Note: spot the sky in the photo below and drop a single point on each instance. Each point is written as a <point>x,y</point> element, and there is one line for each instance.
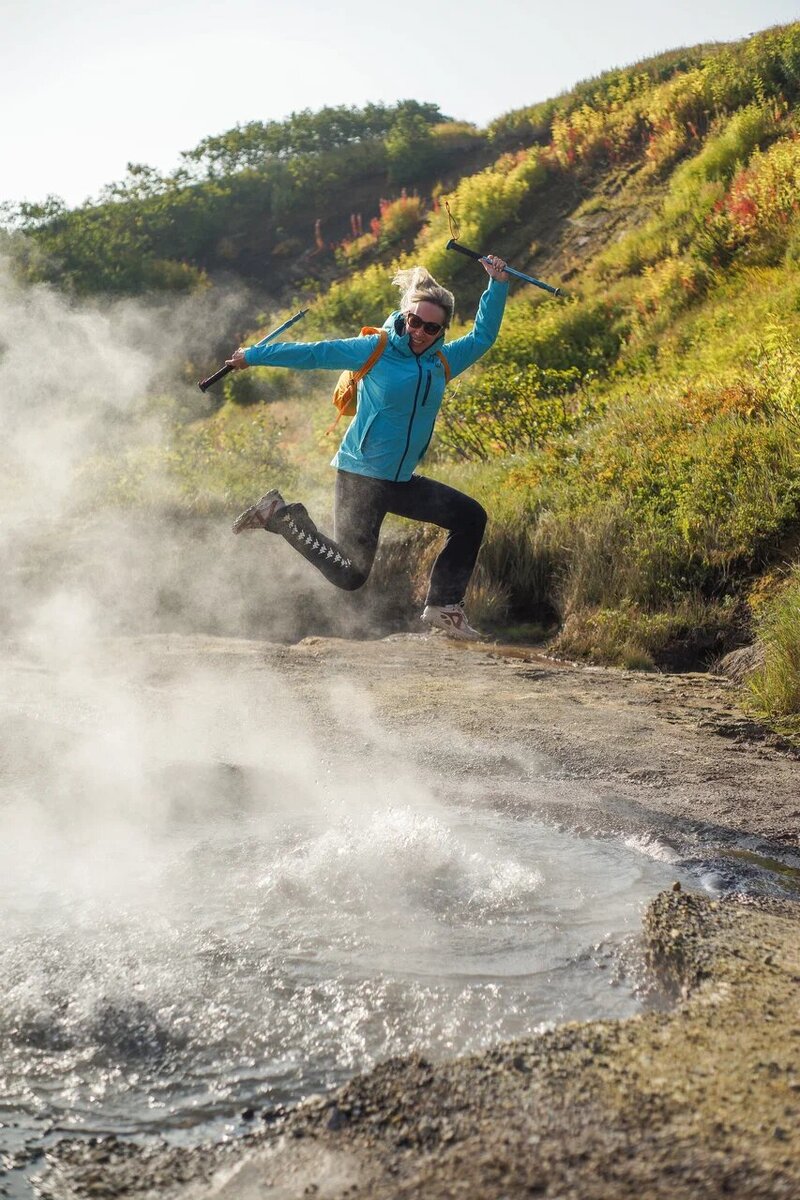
<point>88,86</point>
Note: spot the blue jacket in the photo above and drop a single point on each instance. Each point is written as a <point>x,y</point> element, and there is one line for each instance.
<point>399,399</point>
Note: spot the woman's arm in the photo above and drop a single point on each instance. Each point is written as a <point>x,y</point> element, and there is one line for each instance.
<point>464,351</point>
<point>341,354</point>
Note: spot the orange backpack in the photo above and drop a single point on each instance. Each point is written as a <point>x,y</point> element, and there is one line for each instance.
<point>345,394</point>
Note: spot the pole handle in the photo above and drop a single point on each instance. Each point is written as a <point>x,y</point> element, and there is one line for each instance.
<point>205,384</point>
<point>454,245</point>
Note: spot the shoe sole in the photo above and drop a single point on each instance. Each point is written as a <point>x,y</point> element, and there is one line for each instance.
<point>255,517</point>
<point>452,631</point>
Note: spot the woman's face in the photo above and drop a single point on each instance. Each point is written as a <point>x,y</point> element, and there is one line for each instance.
<point>420,339</point>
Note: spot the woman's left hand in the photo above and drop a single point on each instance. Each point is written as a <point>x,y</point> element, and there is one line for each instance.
<point>237,360</point>
<point>495,267</point>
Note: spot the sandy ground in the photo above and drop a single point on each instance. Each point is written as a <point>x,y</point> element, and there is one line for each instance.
<point>699,1099</point>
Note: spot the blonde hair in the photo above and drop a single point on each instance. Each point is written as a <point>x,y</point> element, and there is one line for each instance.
<point>416,283</point>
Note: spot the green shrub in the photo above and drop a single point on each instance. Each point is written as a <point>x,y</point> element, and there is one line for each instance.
<point>399,219</point>
<point>688,220</point>
<point>739,488</point>
<point>362,299</point>
<point>487,199</point>
<point>482,203</point>
<point>505,409</point>
<point>583,335</point>
<point>666,494</point>
<point>777,374</point>
<point>457,137</point>
<point>666,288</point>
<point>762,205</point>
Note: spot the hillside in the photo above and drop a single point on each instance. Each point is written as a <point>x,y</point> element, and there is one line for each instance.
<point>635,445</point>
<point>265,203</point>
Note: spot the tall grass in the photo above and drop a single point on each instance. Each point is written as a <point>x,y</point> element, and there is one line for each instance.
<point>774,689</point>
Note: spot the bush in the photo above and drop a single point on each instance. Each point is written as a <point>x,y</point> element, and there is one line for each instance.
<point>363,299</point>
<point>668,287</point>
<point>761,205</point>
<point>560,336</point>
<point>507,408</point>
<point>397,222</point>
<point>489,199</point>
<point>483,203</point>
<point>671,494</point>
<point>611,134</point>
<point>740,489</point>
<point>689,219</point>
<point>399,219</point>
<point>456,137</point>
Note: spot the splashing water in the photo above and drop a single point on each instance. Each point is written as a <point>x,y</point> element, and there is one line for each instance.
<point>199,917</point>
<point>293,954</point>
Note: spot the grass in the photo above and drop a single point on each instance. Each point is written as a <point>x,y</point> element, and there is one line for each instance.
<point>774,689</point>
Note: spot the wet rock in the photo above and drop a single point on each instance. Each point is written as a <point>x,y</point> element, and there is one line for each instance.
<point>338,1118</point>
<point>742,662</point>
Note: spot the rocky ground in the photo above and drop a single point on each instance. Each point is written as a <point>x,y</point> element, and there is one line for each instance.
<point>699,1097</point>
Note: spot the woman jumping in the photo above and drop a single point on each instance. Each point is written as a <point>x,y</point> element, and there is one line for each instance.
<point>398,401</point>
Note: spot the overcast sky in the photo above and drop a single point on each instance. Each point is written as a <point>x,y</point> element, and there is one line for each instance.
<point>88,86</point>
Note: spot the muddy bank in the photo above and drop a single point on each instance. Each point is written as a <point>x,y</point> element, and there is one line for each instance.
<point>653,748</point>
<point>699,1100</point>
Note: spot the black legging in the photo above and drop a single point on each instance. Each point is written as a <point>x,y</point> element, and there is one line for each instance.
<point>361,503</point>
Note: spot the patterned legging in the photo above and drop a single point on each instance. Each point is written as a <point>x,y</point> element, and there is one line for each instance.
<point>361,503</point>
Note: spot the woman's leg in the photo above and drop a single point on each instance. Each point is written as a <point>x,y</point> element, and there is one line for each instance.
<point>345,559</point>
<point>465,521</point>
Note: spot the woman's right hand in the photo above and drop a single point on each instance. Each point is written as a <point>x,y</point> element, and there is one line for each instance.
<point>495,267</point>
<point>237,360</point>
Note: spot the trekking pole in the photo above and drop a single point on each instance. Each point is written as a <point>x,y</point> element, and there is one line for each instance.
<point>554,291</point>
<point>205,384</point>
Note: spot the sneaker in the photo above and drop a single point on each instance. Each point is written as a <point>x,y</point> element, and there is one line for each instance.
<point>258,514</point>
<point>452,619</point>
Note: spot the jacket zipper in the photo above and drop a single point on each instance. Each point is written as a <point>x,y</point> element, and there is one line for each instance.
<point>427,389</point>
<point>411,420</point>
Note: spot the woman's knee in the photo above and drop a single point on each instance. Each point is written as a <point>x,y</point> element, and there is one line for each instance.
<point>475,519</point>
<point>353,579</point>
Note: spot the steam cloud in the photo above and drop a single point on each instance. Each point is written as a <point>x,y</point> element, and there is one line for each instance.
<point>208,890</point>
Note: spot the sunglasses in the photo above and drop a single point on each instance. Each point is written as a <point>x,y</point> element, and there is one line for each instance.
<point>415,322</point>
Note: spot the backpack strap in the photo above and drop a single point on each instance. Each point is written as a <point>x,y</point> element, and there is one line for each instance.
<point>345,393</point>
<point>376,353</point>
<point>447,373</point>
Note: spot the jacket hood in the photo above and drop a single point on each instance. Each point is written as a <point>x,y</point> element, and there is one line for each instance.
<point>394,323</point>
